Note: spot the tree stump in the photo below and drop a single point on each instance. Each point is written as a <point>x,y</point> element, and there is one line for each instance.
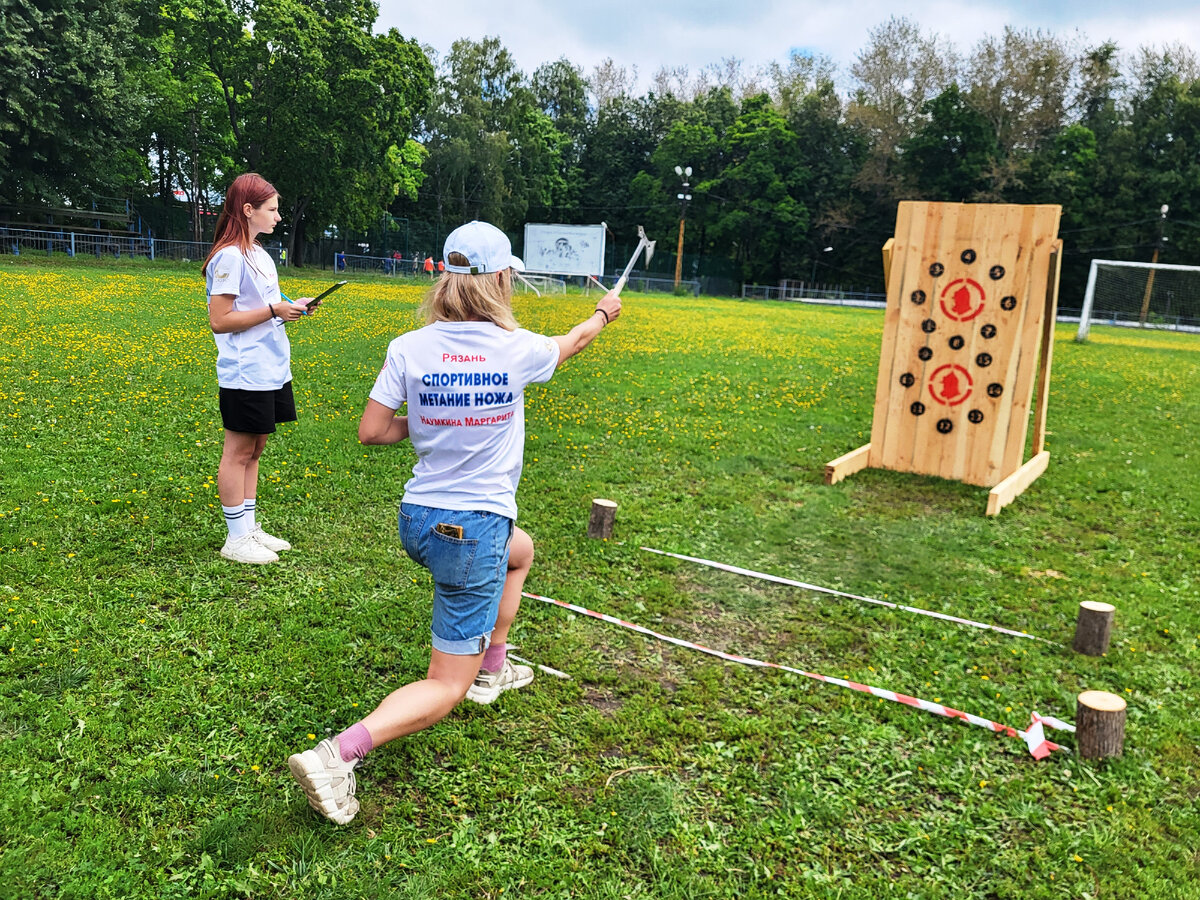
<point>1093,628</point>
<point>1100,725</point>
<point>604,513</point>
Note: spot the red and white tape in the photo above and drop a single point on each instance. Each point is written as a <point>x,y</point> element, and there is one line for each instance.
<point>1035,737</point>
<point>824,590</point>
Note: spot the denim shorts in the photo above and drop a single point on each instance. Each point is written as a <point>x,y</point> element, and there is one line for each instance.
<point>468,572</point>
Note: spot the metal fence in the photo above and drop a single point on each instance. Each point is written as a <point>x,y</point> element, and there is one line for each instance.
<point>827,296</point>
<point>72,243</point>
<point>649,284</point>
<point>182,251</point>
<point>377,265</point>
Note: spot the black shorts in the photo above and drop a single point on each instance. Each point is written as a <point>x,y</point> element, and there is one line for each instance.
<point>257,412</point>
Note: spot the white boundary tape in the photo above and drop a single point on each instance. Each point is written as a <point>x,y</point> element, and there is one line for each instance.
<point>824,590</point>
<point>1034,737</point>
<point>549,671</point>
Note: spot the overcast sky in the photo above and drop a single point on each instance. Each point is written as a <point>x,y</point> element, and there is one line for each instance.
<point>674,33</point>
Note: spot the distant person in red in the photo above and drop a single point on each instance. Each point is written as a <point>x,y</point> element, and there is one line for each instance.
<point>429,266</point>
<point>441,266</point>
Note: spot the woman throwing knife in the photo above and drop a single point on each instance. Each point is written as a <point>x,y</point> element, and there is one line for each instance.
<point>463,378</point>
<point>254,374</point>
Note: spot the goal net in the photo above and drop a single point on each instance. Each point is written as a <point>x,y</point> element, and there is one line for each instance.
<point>541,284</point>
<point>1148,295</point>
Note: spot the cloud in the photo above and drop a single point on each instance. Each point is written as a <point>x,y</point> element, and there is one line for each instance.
<point>704,32</point>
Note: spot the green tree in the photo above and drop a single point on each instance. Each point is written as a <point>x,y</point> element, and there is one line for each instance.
<point>834,152</point>
<point>68,109</point>
<point>493,154</point>
<point>620,184</point>
<point>758,214</point>
<point>560,92</point>
<point>314,101</point>
<point>951,155</point>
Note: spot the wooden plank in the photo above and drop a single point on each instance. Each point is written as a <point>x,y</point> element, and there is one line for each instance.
<point>979,236</point>
<point>1008,246</point>
<point>933,452</point>
<point>902,424</point>
<point>915,222</point>
<point>887,262</point>
<point>1015,484</point>
<point>847,464</point>
<point>1034,297</point>
<point>894,342</point>
<point>1047,355</point>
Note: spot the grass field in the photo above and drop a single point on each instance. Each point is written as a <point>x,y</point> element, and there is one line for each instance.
<point>151,691</point>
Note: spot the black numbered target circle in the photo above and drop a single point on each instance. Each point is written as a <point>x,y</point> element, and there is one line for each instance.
<point>996,273</point>
<point>975,416</point>
<point>917,409</point>
<point>907,379</point>
<point>936,269</point>
<point>945,426</point>
<point>968,256</point>
<point>929,326</point>
<point>983,360</point>
<point>956,342</point>
<point>1008,303</point>
<point>995,389</point>
<point>988,331</point>
<point>918,297</point>
<point>925,354</point>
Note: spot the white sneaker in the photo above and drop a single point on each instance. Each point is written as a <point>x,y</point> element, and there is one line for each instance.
<point>247,550</point>
<point>490,685</point>
<point>269,540</point>
<point>327,780</point>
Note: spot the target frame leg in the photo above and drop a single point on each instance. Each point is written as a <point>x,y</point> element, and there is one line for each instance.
<point>846,465</point>
<point>1015,484</point>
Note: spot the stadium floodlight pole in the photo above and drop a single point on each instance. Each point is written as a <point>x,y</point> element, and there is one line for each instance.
<point>813,277</point>
<point>684,173</point>
<point>1162,223</point>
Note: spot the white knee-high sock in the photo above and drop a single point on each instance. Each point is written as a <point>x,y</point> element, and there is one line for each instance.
<point>235,520</point>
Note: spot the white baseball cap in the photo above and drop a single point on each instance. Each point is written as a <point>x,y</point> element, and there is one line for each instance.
<point>485,246</point>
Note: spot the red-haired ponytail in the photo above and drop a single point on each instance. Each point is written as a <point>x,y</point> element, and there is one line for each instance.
<point>232,228</point>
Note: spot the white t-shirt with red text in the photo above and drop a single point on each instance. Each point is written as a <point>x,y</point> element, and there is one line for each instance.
<point>464,383</point>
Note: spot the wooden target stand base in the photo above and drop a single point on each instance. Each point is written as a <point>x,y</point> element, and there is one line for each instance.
<point>972,295</point>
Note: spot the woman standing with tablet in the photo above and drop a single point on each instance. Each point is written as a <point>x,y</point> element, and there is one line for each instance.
<point>254,374</point>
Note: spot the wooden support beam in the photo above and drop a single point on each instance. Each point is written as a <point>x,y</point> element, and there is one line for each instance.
<point>1014,485</point>
<point>847,465</point>
<point>1047,354</point>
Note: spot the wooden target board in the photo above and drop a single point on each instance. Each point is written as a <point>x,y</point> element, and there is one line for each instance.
<point>971,298</point>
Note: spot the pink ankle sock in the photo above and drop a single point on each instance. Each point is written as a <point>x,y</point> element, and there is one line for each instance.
<point>493,658</point>
<point>355,742</point>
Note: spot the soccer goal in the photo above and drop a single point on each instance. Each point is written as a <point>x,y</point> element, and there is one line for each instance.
<point>1138,294</point>
<point>540,284</point>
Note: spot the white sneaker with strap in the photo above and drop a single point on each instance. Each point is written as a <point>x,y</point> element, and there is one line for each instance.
<point>490,685</point>
<point>272,543</point>
<point>327,780</point>
<point>246,549</point>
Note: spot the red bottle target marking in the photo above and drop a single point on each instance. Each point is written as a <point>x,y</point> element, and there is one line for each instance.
<point>963,299</point>
<point>950,385</point>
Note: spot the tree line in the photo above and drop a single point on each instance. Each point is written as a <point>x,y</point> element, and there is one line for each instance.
<point>163,101</point>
